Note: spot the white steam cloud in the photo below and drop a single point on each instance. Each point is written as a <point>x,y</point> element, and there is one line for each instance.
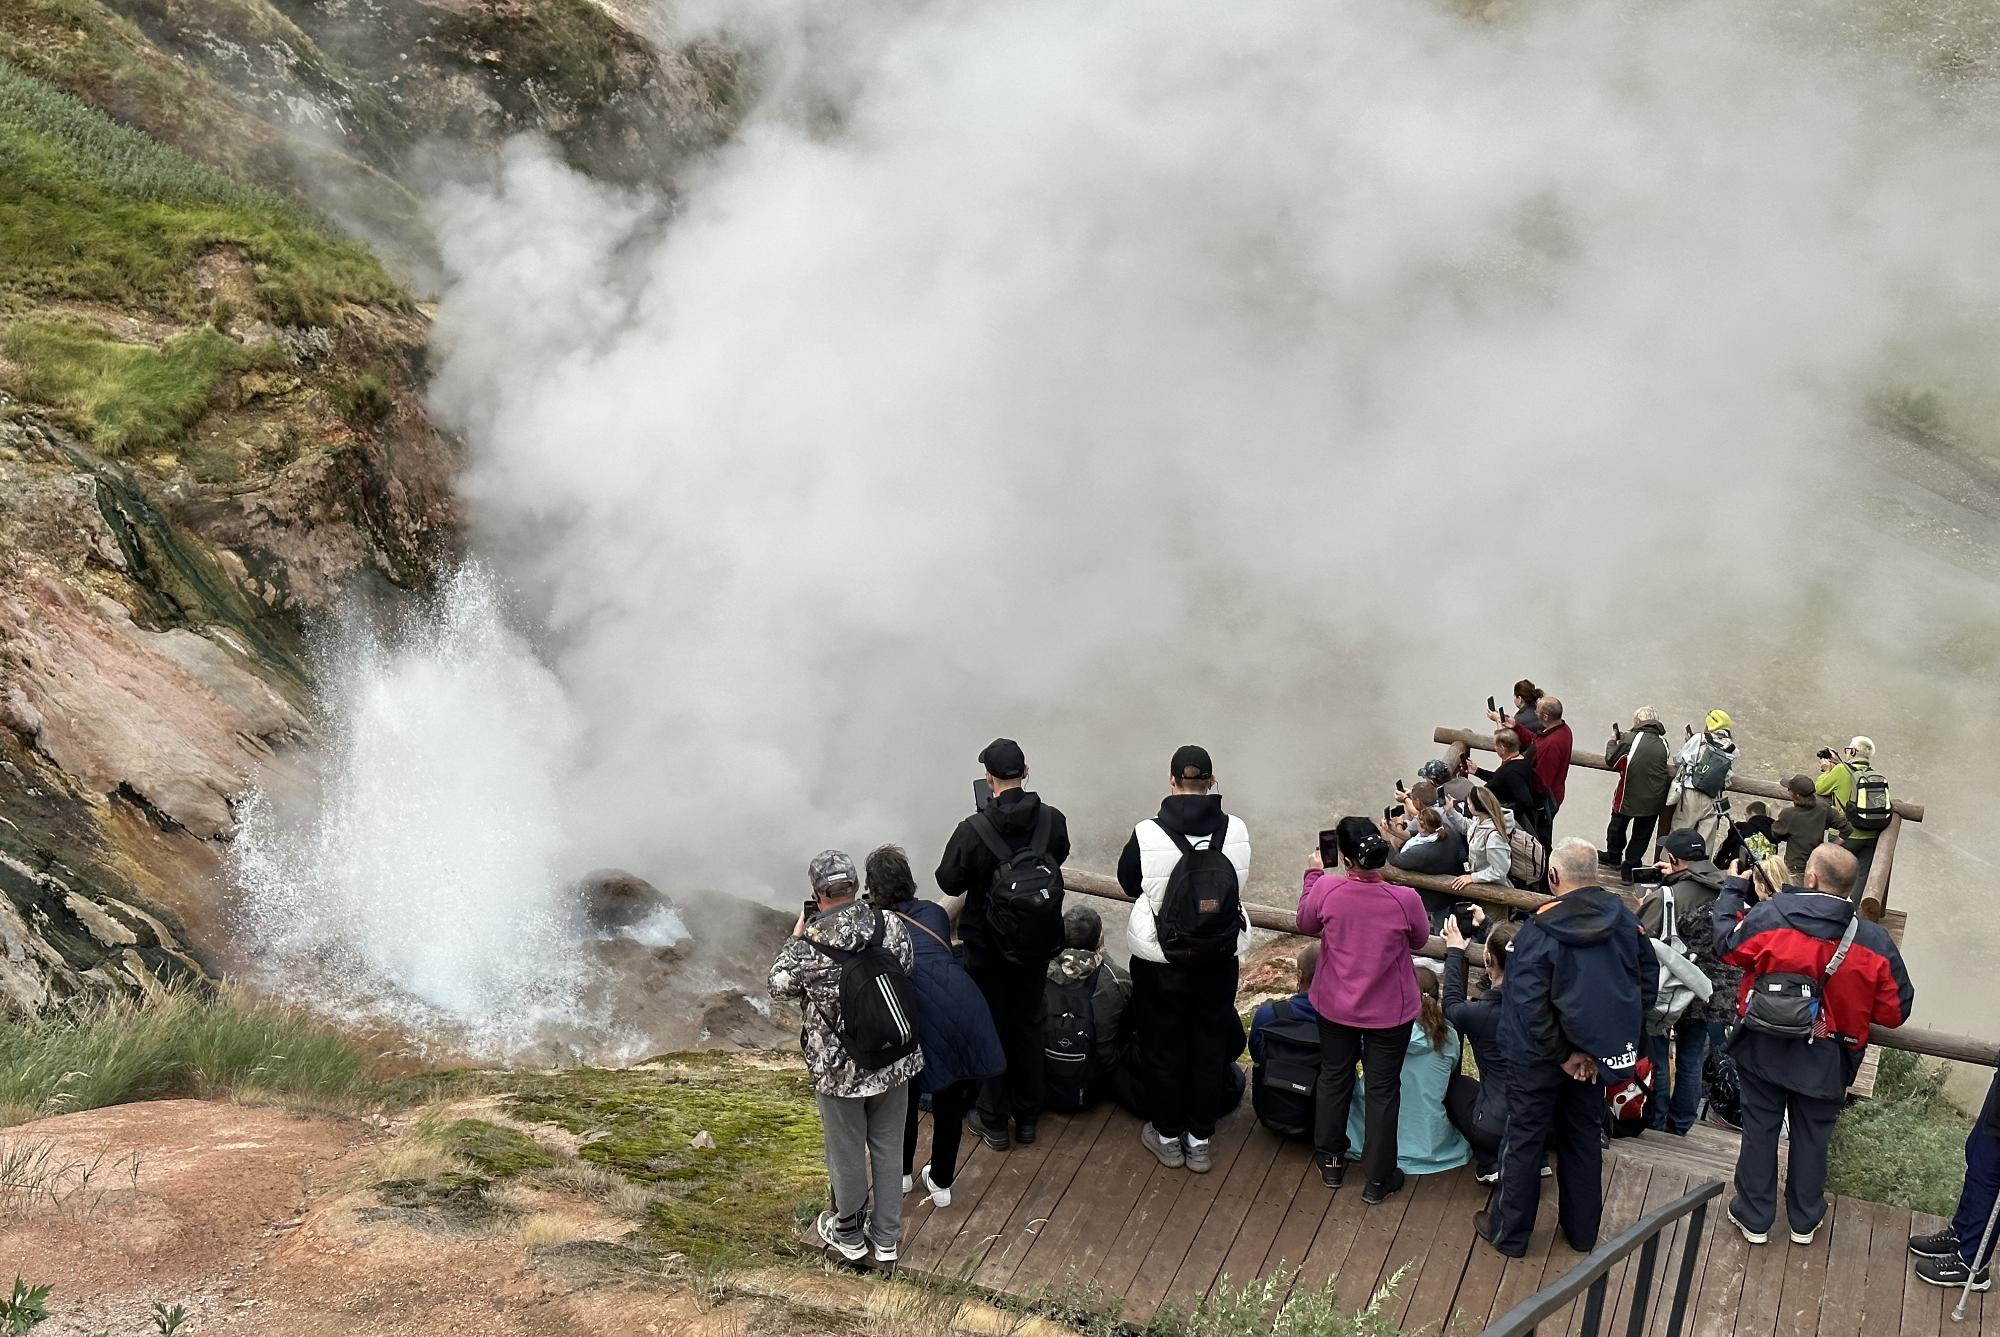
<point>1110,377</point>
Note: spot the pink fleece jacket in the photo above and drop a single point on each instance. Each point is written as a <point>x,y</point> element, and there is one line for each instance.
<point>1368,929</point>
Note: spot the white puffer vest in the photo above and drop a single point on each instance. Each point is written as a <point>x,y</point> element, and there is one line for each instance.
<point>1158,856</point>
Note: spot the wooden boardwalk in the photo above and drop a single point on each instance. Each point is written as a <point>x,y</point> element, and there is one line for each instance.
<point>1088,1216</point>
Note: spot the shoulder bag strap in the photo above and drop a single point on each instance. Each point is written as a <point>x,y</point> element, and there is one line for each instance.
<point>919,924</point>
<point>1045,822</point>
<point>1840,953</point>
<point>983,827</point>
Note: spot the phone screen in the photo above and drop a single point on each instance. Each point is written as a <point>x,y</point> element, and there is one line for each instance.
<point>1329,848</point>
<point>1490,705</point>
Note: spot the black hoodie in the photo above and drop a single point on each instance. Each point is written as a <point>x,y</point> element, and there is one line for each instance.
<point>967,866</point>
<point>1580,979</point>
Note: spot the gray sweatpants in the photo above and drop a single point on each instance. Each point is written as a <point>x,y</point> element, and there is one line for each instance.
<point>864,1141</point>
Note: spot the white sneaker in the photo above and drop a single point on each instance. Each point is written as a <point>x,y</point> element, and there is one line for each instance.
<point>908,1184</point>
<point>885,1255</point>
<point>1805,1236</point>
<point>1194,1153</point>
<point>940,1197</point>
<point>849,1244</point>
<point>1754,1236</point>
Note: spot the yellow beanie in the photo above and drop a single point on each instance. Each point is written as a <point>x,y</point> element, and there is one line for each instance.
<point>1718,719</point>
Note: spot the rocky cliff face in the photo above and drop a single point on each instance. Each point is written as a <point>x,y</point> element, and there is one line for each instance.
<point>212,431</point>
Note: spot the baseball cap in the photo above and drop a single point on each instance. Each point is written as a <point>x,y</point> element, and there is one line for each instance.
<point>830,869</point>
<point>1434,771</point>
<point>1192,763</point>
<point>1800,786</point>
<point>1685,845</point>
<point>1004,760</point>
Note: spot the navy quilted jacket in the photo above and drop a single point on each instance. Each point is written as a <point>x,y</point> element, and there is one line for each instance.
<point>953,1022</point>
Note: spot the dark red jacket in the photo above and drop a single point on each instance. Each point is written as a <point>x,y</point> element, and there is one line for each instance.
<point>1550,761</point>
<point>1796,933</point>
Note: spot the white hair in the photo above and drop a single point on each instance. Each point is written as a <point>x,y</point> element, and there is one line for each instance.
<point>1576,859</point>
<point>1862,747</point>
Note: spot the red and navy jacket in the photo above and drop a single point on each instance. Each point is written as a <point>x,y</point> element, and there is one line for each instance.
<point>1796,933</point>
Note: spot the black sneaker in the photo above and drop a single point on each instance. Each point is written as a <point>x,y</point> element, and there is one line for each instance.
<point>993,1135</point>
<point>1952,1273</point>
<point>1944,1244</point>
<point>1376,1193</point>
<point>1024,1133</point>
<point>1332,1171</point>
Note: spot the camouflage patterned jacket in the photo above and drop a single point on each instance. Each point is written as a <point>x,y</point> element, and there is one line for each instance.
<point>810,979</point>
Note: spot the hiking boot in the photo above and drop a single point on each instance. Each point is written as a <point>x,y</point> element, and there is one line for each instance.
<point>1944,1244</point>
<point>1805,1236</point>
<point>940,1197</point>
<point>850,1242</point>
<point>1332,1170</point>
<point>1482,1226</point>
<point>1952,1272</point>
<point>1024,1132</point>
<point>1376,1193</point>
<point>1167,1149</point>
<point>1195,1149</point>
<point>1754,1236</point>
<point>992,1134</point>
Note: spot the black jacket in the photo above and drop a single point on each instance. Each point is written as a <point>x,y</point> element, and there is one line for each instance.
<point>1580,979</point>
<point>967,866</point>
<point>1513,783</point>
<point>1190,814</point>
<point>1478,1020</point>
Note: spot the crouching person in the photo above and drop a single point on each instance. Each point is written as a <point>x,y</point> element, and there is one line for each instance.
<point>1083,1026</point>
<point>1185,870</point>
<point>847,968</point>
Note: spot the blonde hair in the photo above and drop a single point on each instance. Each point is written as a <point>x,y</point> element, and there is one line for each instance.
<point>1772,872</point>
<point>1488,804</point>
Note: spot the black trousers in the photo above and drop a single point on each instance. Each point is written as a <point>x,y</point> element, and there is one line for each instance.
<point>1461,1099</point>
<point>1185,1037</point>
<point>1765,1108</point>
<point>1547,1111</point>
<point>1014,996</point>
<point>948,1109</point>
<point>1629,853</point>
<point>1380,1052</point>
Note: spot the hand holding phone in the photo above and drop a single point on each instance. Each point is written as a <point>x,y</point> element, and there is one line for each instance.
<point>1490,706</point>
<point>1329,849</point>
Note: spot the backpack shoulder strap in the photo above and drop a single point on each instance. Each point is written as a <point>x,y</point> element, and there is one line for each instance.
<point>1840,953</point>
<point>1221,836</point>
<point>1669,913</point>
<point>1181,842</point>
<point>1038,844</point>
<point>982,826</point>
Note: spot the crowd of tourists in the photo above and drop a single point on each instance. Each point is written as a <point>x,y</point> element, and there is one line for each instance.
<point>1746,993</point>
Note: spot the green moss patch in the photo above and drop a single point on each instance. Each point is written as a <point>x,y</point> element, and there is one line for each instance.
<point>125,396</point>
<point>1904,1146</point>
<point>739,1197</point>
<point>496,1151</point>
<point>92,210</point>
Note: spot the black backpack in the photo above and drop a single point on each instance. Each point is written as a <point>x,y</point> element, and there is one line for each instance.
<point>878,1004</point>
<point>1283,1081</point>
<point>1024,902</point>
<point>1069,1044</point>
<point>1202,911</point>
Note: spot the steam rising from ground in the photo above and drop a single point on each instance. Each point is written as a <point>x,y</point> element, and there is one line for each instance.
<point>428,881</point>
<point>1115,376</point>
<point>1283,377</point>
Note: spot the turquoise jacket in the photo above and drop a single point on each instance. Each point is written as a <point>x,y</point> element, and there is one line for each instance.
<point>1426,1142</point>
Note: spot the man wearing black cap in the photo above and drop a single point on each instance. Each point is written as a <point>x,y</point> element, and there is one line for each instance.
<point>1008,963</point>
<point>1186,1034</point>
<point>1690,879</point>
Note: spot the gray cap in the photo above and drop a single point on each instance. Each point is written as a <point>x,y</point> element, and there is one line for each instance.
<point>830,869</point>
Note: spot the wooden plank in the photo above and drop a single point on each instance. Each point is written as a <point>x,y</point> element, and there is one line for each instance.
<point>1162,1264</point>
<point>1713,1226</point>
<point>1522,1277</point>
<point>1846,1270</point>
<point>1722,1277</point>
<point>1310,1205</point>
<point>1431,1293</point>
<point>1361,1272</point>
<point>1002,1192</point>
<point>1285,1179</point>
<point>1615,1181</point>
<point>1662,1187</point>
<point>1763,1276</point>
<point>1091,1216</point>
<point>1475,1303</point>
<point>1924,1306</point>
<point>932,1229</point>
<point>1041,1200</point>
<point>1425,1240</point>
<point>1888,1260</point>
<point>1224,1218</point>
<point>1330,1244</point>
<point>1623,1204</point>
<point>1804,1278</point>
<point>1141,1232</point>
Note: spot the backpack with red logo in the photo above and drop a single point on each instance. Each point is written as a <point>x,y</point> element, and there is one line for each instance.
<point>1626,1102</point>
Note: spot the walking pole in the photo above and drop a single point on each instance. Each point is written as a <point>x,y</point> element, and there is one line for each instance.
<point>1958,1310</point>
